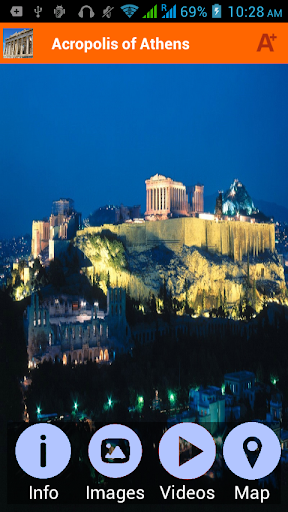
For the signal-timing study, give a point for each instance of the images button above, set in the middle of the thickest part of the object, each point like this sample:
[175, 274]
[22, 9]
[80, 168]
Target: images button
[115, 451]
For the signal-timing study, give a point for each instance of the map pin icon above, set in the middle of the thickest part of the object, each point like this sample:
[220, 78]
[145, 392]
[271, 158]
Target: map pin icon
[252, 448]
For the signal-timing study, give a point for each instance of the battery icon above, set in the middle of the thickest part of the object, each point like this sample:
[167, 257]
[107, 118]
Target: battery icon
[216, 11]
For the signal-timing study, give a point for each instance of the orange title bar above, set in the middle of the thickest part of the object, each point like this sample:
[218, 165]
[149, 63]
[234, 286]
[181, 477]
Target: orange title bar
[144, 43]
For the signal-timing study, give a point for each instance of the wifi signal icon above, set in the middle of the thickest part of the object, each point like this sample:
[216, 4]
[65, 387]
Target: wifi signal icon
[129, 9]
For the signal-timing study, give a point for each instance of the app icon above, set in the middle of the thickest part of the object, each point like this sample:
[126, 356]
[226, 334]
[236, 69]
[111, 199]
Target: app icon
[107, 13]
[59, 11]
[187, 451]
[38, 11]
[17, 11]
[115, 451]
[252, 450]
[81, 12]
[43, 450]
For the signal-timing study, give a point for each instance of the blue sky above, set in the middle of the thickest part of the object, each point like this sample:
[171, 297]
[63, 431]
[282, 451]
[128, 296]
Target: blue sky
[96, 132]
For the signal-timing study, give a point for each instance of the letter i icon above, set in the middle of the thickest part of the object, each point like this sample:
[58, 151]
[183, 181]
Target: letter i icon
[43, 453]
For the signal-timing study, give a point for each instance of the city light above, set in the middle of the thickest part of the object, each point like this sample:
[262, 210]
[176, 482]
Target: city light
[172, 397]
[38, 410]
[110, 402]
[140, 400]
[75, 406]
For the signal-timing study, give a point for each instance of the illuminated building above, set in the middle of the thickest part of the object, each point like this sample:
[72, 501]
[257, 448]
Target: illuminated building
[167, 198]
[242, 385]
[63, 207]
[63, 224]
[70, 330]
[196, 198]
[40, 236]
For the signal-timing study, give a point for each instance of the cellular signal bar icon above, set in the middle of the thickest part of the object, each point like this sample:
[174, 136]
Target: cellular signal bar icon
[171, 13]
[152, 13]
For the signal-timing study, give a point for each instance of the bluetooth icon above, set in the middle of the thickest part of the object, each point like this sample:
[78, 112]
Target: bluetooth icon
[216, 11]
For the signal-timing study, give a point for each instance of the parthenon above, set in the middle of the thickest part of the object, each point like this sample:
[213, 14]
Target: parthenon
[166, 198]
[19, 45]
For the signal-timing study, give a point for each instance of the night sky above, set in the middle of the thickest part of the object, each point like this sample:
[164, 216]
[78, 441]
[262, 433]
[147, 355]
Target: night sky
[96, 132]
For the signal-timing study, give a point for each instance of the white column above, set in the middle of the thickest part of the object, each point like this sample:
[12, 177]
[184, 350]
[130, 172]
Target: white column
[32, 42]
[21, 48]
[27, 45]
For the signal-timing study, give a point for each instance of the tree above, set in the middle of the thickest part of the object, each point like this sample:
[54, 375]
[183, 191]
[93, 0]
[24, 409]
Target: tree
[13, 356]
[203, 300]
[219, 300]
[56, 273]
[224, 302]
[152, 303]
[254, 294]
[108, 283]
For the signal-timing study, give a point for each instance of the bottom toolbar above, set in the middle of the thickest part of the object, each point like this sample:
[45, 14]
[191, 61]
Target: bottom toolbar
[143, 462]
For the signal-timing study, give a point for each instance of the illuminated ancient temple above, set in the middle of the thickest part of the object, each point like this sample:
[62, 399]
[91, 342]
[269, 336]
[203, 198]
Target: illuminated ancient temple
[167, 198]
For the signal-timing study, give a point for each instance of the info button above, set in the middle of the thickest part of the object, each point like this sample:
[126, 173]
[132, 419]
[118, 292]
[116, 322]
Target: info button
[43, 450]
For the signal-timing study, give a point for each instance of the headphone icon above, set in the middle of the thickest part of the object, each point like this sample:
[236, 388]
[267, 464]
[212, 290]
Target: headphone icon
[91, 12]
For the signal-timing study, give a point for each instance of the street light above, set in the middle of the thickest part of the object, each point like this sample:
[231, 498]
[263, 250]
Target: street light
[38, 410]
[75, 406]
[140, 400]
[110, 402]
[172, 397]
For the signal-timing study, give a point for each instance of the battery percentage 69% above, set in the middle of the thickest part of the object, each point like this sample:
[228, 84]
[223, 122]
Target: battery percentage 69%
[192, 11]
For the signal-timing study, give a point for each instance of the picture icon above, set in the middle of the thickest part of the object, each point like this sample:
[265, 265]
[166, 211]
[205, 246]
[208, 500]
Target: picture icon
[18, 43]
[129, 9]
[115, 450]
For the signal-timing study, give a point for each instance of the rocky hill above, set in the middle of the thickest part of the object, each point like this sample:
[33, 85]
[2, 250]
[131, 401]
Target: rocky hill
[144, 272]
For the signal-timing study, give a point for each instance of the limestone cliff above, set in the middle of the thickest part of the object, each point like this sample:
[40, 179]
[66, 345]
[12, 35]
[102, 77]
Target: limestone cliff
[143, 271]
